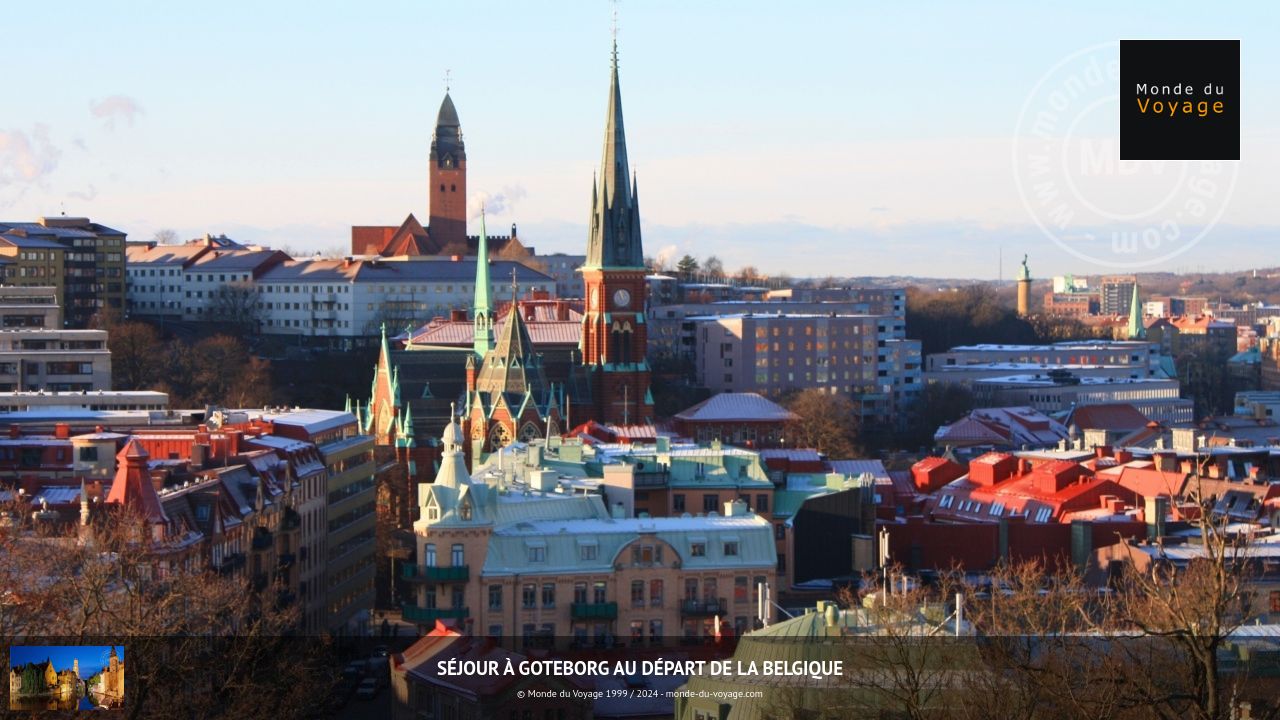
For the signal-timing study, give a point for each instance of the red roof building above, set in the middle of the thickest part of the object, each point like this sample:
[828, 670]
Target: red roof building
[748, 419]
[480, 688]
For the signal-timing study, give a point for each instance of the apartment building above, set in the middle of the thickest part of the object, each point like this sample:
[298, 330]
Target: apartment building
[867, 356]
[92, 276]
[540, 559]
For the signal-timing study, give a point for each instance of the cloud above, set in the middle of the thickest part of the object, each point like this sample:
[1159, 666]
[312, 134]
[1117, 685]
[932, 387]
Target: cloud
[110, 108]
[86, 195]
[495, 203]
[26, 159]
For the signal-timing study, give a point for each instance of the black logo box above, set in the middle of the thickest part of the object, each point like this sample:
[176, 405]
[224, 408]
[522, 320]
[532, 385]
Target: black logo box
[1187, 68]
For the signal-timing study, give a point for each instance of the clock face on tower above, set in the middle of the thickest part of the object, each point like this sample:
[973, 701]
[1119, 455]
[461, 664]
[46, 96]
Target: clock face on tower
[621, 298]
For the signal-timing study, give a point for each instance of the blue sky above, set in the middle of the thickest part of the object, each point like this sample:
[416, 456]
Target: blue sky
[92, 657]
[875, 138]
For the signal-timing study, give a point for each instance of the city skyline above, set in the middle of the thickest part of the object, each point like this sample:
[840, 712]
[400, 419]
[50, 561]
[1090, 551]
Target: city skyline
[820, 141]
[93, 658]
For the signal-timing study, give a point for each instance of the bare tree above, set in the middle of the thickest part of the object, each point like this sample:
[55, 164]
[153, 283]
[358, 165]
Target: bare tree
[826, 422]
[165, 236]
[238, 306]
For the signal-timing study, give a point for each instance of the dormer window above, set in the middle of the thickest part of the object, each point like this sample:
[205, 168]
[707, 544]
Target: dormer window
[433, 513]
[464, 510]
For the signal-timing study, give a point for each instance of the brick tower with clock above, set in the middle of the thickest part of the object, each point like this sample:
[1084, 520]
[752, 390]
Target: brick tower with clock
[614, 335]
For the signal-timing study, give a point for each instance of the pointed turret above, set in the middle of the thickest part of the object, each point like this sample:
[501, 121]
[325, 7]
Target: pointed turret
[614, 239]
[132, 486]
[1136, 330]
[453, 468]
[483, 314]
[511, 366]
[84, 504]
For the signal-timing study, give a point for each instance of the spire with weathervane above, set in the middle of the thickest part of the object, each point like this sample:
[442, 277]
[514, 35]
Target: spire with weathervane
[481, 306]
[614, 239]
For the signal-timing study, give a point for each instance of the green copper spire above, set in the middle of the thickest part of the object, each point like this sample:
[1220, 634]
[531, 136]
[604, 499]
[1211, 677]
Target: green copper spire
[614, 239]
[1136, 330]
[482, 313]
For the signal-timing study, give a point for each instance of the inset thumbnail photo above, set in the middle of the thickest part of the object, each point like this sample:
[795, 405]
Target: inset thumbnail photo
[66, 677]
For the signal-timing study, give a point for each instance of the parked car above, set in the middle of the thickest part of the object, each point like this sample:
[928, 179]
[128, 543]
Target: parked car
[355, 670]
[368, 689]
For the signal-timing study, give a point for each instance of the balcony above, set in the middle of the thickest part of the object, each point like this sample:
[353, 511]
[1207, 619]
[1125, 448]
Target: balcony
[262, 539]
[455, 574]
[704, 607]
[413, 613]
[594, 611]
[230, 563]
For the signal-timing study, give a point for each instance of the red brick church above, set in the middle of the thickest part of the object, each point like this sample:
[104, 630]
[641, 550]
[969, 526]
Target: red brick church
[446, 230]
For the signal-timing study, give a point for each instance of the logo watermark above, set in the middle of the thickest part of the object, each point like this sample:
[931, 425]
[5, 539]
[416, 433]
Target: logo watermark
[1099, 208]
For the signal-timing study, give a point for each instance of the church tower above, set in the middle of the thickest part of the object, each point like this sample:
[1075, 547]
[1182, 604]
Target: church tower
[614, 338]
[448, 178]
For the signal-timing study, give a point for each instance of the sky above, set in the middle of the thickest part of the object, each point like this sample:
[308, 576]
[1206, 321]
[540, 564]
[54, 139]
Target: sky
[92, 657]
[811, 138]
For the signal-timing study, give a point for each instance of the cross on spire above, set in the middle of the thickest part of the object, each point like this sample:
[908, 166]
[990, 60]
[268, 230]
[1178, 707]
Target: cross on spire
[613, 30]
[448, 75]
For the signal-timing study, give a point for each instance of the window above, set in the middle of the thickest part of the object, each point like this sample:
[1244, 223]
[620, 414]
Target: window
[455, 556]
[580, 592]
[429, 558]
[996, 508]
[946, 501]
[780, 531]
[495, 598]
[599, 594]
[698, 549]
[710, 502]
[1042, 515]
[741, 594]
[637, 593]
[538, 553]
[529, 596]
[459, 596]
[588, 552]
[762, 503]
[731, 548]
[677, 502]
[655, 593]
[548, 595]
[88, 454]
[655, 631]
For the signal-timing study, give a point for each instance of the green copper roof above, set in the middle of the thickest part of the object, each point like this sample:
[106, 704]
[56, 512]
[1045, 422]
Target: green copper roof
[481, 306]
[1135, 330]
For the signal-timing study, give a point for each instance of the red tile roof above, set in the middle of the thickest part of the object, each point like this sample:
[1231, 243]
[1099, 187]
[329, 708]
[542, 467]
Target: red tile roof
[132, 486]
[1110, 416]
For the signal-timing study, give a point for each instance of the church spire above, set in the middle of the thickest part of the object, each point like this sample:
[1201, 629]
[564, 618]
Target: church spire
[1136, 331]
[614, 240]
[483, 315]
